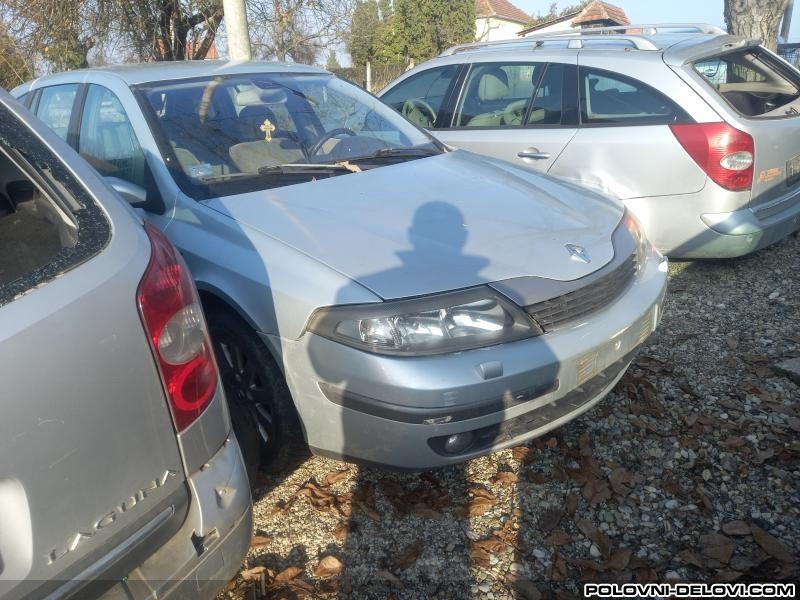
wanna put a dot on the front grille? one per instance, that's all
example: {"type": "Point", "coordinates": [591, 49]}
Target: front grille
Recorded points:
{"type": "Point", "coordinates": [552, 313]}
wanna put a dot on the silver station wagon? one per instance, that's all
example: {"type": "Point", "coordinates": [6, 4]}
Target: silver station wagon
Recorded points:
{"type": "Point", "coordinates": [119, 474]}
{"type": "Point", "coordinates": [368, 290]}
{"type": "Point", "coordinates": [696, 131]}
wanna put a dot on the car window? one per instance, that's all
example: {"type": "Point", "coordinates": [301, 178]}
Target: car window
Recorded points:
{"type": "Point", "coordinates": [48, 222]}
{"type": "Point", "coordinates": [227, 135]}
{"type": "Point", "coordinates": [497, 95]}
{"type": "Point", "coordinates": [752, 81]}
{"type": "Point", "coordinates": [609, 98]}
{"type": "Point", "coordinates": [55, 107]}
{"type": "Point", "coordinates": [547, 103]}
{"type": "Point", "coordinates": [107, 140]}
{"type": "Point", "coordinates": [419, 98]}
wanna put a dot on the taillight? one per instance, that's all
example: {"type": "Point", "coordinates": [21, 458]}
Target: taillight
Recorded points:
{"type": "Point", "coordinates": [173, 318]}
{"type": "Point", "coordinates": [723, 152]}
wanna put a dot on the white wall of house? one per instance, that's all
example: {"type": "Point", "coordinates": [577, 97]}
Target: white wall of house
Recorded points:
{"type": "Point", "coordinates": [490, 29]}
{"type": "Point", "coordinates": [562, 26]}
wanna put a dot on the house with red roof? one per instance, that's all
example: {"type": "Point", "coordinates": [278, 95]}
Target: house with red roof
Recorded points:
{"type": "Point", "coordinates": [498, 20]}
{"type": "Point", "coordinates": [594, 14]}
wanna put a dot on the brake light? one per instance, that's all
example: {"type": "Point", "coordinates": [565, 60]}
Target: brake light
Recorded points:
{"type": "Point", "coordinates": [173, 319]}
{"type": "Point", "coordinates": [724, 153]}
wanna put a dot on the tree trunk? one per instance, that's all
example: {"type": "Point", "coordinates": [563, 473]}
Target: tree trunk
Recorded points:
{"type": "Point", "coordinates": [755, 19]}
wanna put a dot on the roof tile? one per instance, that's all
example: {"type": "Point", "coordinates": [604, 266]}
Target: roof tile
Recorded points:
{"type": "Point", "coordinates": [502, 9]}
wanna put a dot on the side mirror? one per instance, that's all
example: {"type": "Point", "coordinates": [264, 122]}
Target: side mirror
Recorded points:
{"type": "Point", "coordinates": [134, 194]}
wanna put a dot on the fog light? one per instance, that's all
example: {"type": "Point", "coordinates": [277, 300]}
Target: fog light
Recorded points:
{"type": "Point", "coordinates": [458, 442]}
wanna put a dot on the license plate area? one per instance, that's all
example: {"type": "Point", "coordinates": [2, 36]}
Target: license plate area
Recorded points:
{"type": "Point", "coordinates": [593, 362]}
{"type": "Point", "coordinates": [793, 171]}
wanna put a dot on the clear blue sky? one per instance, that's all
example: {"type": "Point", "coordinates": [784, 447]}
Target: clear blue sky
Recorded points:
{"type": "Point", "coordinates": [663, 11]}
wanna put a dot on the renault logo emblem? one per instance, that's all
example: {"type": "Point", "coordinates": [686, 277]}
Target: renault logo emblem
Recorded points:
{"type": "Point", "coordinates": [578, 253]}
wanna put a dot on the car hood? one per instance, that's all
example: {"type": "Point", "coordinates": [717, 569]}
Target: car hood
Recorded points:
{"type": "Point", "coordinates": [429, 225]}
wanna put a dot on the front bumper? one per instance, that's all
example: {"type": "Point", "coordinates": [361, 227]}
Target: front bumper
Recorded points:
{"type": "Point", "coordinates": [394, 411]}
{"type": "Point", "coordinates": [208, 549]}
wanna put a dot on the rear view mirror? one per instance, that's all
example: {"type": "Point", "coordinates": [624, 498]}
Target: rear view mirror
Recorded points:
{"type": "Point", "coordinates": [134, 194]}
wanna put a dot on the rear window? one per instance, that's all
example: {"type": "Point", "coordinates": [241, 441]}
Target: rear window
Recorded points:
{"type": "Point", "coordinates": [48, 223]}
{"type": "Point", "coordinates": [753, 82]}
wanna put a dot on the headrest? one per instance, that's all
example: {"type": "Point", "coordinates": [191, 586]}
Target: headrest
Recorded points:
{"type": "Point", "coordinates": [258, 97]}
{"type": "Point", "coordinates": [493, 85]}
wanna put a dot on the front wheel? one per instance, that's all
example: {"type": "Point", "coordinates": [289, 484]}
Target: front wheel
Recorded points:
{"type": "Point", "coordinates": [262, 413]}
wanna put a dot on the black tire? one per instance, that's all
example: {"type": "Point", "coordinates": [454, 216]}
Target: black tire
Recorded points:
{"type": "Point", "coordinates": [262, 412]}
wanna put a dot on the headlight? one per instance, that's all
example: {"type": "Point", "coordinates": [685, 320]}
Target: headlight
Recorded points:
{"type": "Point", "coordinates": [632, 224]}
{"type": "Point", "coordinates": [430, 325]}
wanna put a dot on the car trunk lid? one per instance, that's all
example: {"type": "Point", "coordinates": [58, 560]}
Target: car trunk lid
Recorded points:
{"type": "Point", "coordinates": [758, 93]}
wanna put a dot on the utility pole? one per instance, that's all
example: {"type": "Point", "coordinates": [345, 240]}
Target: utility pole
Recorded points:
{"type": "Point", "coordinates": [236, 28]}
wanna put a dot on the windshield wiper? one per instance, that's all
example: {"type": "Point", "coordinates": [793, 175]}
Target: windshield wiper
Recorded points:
{"type": "Point", "coordinates": [400, 153]}
{"type": "Point", "coordinates": [303, 168]}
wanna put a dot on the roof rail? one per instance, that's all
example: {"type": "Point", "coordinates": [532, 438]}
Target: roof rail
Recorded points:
{"type": "Point", "coordinates": [470, 46]}
{"type": "Point", "coordinates": [573, 39]}
{"type": "Point", "coordinates": [613, 33]}
{"type": "Point", "coordinates": [644, 29]}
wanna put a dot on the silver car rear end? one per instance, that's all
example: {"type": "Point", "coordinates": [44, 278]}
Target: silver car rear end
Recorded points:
{"type": "Point", "coordinates": [97, 492]}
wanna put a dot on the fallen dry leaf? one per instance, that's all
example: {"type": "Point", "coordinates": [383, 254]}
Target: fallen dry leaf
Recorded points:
{"type": "Point", "coordinates": [571, 503]}
{"type": "Point", "coordinates": [550, 518]}
{"type": "Point", "coordinates": [252, 574]}
{"type": "Point", "coordinates": [522, 453]}
{"type": "Point", "coordinates": [408, 556]}
{"type": "Point", "coordinates": [427, 513]}
{"type": "Point", "coordinates": [717, 546]}
{"type": "Point", "coordinates": [559, 538]}
{"type": "Point", "coordinates": [524, 587]}
{"type": "Point", "coordinates": [619, 560]}
{"type": "Point", "coordinates": [505, 478]}
{"type": "Point", "coordinates": [736, 528]}
{"type": "Point", "coordinates": [287, 574]}
{"type": "Point", "coordinates": [620, 480]}
{"type": "Point", "coordinates": [328, 567]}
{"type": "Point", "coordinates": [341, 531]}
{"type": "Point", "coordinates": [536, 477]}
{"type": "Point", "coordinates": [335, 477]}
{"type": "Point", "coordinates": [691, 557]}
{"type": "Point", "coordinates": [259, 541]}
{"type": "Point", "coordinates": [771, 544]}
{"type": "Point", "coordinates": [596, 492]}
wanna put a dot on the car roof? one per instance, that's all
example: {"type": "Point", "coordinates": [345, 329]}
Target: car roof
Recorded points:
{"type": "Point", "coordinates": [135, 74]}
{"type": "Point", "coordinates": [676, 42]}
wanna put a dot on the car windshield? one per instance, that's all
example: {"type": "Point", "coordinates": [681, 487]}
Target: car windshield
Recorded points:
{"type": "Point", "coordinates": [235, 134]}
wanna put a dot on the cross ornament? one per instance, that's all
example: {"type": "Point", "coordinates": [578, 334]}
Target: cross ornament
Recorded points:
{"type": "Point", "coordinates": [267, 127]}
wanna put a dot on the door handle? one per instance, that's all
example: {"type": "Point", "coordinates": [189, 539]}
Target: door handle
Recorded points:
{"type": "Point", "coordinates": [533, 153]}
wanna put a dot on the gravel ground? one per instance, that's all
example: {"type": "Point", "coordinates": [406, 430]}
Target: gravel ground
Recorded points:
{"type": "Point", "coordinates": [688, 470]}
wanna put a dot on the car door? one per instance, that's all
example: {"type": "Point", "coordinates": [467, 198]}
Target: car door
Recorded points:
{"type": "Point", "coordinates": [55, 105]}
{"type": "Point", "coordinates": [624, 145]}
{"type": "Point", "coordinates": [107, 140]}
{"type": "Point", "coordinates": [420, 97]}
{"type": "Point", "coordinates": [515, 111]}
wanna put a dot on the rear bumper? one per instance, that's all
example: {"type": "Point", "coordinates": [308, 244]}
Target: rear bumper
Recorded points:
{"type": "Point", "coordinates": [208, 549]}
{"type": "Point", "coordinates": [699, 226]}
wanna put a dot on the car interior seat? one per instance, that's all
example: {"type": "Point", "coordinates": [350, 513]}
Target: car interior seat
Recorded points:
{"type": "Point", "coordinates": [263, 148]}
{"type": "Point", "coordinates": [492, 86]}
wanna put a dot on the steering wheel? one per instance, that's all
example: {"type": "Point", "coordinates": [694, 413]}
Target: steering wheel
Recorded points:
{"type": "Point", "coordinates": [515, 112]}
{"type": "Point", "coordinates": [418, 111]}
{"type": "Point", "coordinates": [327, 136]}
